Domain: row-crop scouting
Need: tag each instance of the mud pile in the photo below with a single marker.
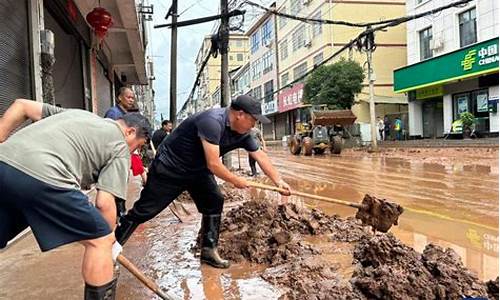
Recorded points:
(310, 278)
(231, 194)
(389, 269)
(379, 213)
(269, 233)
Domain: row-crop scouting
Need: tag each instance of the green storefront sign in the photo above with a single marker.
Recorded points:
(480, 58)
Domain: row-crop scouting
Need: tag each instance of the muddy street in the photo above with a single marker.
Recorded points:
(451, 202)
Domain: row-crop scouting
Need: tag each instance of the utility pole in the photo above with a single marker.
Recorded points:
(369, 47)
(173, 65)
(372, 101)
(224, 72)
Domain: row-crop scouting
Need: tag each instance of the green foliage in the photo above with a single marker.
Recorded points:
(467, 119)
(334, 85)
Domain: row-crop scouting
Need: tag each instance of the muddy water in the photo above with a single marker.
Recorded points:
(452, 204)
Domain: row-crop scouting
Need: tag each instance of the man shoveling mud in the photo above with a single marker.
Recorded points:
(42, 169)
(189, 159)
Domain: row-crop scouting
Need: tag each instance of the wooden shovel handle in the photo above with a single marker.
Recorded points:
(142, 278)
(301, 194)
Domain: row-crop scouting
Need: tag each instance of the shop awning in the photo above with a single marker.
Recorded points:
(472, 61)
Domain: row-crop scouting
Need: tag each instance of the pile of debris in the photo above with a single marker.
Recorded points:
(270, 233)
(384, 268)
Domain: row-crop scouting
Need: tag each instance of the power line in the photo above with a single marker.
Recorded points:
(345, 23)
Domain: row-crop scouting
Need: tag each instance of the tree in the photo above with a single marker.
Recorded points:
(334, 85)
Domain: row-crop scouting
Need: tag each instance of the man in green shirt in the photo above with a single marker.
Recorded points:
(43, 168)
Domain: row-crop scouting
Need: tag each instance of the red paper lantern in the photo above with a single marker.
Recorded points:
(100, 20)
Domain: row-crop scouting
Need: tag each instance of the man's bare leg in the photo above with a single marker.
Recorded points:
(97, 268)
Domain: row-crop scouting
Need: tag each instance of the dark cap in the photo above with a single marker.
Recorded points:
(250, 106)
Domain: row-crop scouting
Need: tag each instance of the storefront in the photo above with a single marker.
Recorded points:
(289, 104)
(442, 88)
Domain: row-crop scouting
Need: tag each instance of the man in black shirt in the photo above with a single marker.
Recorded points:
(160, 134)
(188, 160)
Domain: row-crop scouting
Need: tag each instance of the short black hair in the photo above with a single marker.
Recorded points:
(165, 122)
(139, 122)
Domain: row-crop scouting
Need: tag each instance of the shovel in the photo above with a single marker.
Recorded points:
(378, 213)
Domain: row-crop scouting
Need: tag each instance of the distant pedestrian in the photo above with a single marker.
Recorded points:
(398, 127)
(125, 103)
(387, 128)
(381, 127)
(162, 133)
(261, 143)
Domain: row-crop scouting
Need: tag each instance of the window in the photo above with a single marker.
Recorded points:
(239, 43)
(295, 6)
(254, 42)
(475, 102)
(284, 79)
(257, 93)
(425, 43)
(282, 20)
(231, 57)
(467, 27)
(268, 91)
(299, 71)
(284, 49)
(267, 31)
(267, 62)
(317, 59)
(298, 38)
(256, 69)
(316, 27)
(239, 56)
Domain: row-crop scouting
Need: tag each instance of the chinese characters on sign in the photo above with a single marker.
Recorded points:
(269, 107)
(291, 98)
(487, 55)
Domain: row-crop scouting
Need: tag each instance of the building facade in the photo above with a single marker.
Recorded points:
(85, 76)
(302, 46)
(264, 68)
(452, 67)
(211, 75)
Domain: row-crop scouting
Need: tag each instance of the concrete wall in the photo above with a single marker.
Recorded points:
(493, 92)
(415, 118)
(447, 113)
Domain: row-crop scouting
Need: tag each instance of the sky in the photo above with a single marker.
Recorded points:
(189, 41)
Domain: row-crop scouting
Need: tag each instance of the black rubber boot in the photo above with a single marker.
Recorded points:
(210, 226)
(121, 209)
(125, 230)
(103, 292)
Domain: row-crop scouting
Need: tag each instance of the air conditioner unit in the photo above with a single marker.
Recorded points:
(306, 2)
(308, 43)
(268, 43)
(437, 43)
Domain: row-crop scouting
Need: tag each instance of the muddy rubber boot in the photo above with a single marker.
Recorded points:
(210, 226)
(125, 230)
(103, 292)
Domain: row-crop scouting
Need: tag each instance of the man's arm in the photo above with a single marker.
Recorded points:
(215, 165)
(18, 112)
(105, 203)
(268, 168)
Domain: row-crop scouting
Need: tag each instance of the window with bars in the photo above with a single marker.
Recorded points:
(425, 37)
(299, 37)
(254, 42)
(267, 31)
(299, 71)
(467, 27)
(255, 69)
(295, 6)
(284, 49)
(257, 93)
(282, 20)
(317, 59)
(284, 79)
(268, 91)
(267, 62)
(239, 56)
(316, 27)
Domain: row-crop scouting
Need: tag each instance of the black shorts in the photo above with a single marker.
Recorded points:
(163, 187)
(56, 216)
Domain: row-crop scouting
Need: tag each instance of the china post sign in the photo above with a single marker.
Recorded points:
(269, 107)
(474, 60)
(291, 98)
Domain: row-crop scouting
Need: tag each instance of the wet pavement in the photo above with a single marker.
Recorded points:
(451, 202)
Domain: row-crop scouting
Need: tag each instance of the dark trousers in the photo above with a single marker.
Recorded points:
(252, 162)
(163, 187)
